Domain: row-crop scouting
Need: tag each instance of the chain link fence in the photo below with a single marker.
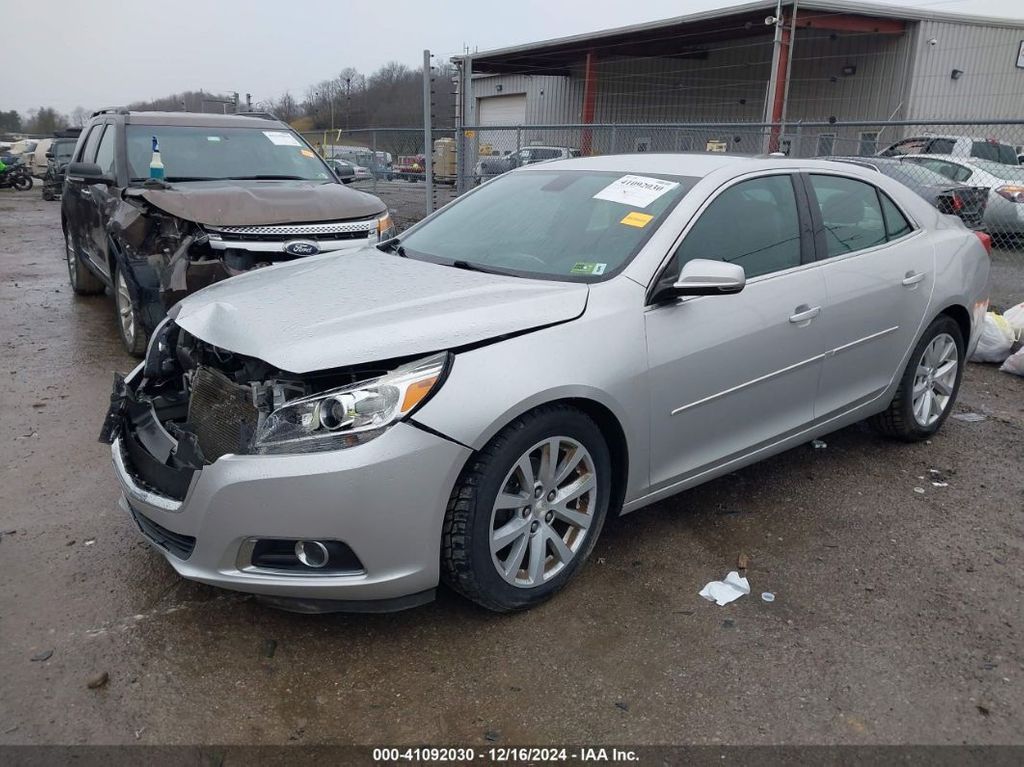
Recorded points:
(969, 169)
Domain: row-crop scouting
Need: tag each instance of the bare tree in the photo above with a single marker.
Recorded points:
(79, 117)
(286, 108)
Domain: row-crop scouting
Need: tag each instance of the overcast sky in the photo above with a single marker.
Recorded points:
(108, 52)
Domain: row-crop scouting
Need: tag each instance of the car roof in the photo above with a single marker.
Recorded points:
(697, 164)
(200, 120)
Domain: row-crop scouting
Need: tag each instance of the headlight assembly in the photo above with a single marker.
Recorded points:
(353, 414)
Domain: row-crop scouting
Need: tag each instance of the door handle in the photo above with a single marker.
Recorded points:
(912, 278)
(804, 313)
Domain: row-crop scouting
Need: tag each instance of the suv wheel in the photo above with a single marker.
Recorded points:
(527, 510)
(133, 334)
(83, 281)
(929, 385)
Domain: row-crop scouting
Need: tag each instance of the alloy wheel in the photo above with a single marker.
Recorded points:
(125, 315)
(543, 512)
(935, 379)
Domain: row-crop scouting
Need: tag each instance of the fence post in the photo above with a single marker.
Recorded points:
(615, 136)
(798, 140)
(428, 144)
(373, 149)
(519, 138)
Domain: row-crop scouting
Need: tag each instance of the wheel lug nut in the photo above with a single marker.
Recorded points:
(551, 496)
(538, 491)
(549, 516)
(534, 526)
(526, 511)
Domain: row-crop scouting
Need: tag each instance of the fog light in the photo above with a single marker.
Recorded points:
(312, 553)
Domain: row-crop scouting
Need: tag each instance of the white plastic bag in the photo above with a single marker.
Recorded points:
(997, 338)
(1015, 316)
(1014, 363)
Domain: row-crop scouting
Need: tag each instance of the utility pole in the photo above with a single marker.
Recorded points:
(428, 146)
(348, 100)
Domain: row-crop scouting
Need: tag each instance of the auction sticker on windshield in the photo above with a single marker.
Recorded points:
(587, 267)
(638, 191)
(282, 138)
(637, 219)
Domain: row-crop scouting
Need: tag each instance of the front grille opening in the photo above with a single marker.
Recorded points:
(279, 554)
(221, 414)
(181, 546)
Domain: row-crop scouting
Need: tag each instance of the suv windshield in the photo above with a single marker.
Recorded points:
(568, 225)
(62, 150)
(994, 151)
(197, 153)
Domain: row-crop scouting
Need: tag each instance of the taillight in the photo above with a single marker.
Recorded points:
(1011, 192)
(986, 241)
(958, 204)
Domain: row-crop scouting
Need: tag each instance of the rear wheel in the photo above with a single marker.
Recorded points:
(22, 183)
(929, 385)
(83, 281)
(527, 510)
(133, 334)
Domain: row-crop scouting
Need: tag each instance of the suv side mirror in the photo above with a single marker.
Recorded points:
(49, 155)
(90, 172)
(702, 277)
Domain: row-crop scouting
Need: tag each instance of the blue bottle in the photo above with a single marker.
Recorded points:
(156, 165)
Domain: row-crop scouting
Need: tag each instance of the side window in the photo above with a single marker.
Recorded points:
(941, 146)
(753, 224)
(89, 147)
(105, 152)
(850, 212)
(896, 224)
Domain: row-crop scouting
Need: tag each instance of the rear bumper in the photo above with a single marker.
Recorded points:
(385, 499)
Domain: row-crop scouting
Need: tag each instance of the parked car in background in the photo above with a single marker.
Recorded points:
(57, 159)
(1004, 213)
(488, 167)
(345, 171)
(23, 150)
(410, 167)
(470, 401)
(956, 146)
(949, 196)
(237, 193)
(36, 160)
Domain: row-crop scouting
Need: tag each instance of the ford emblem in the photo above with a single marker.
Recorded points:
(301, 248)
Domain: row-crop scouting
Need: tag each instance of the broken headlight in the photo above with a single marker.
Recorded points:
(353, 414)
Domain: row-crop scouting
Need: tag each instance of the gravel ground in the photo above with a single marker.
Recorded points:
(897, 616)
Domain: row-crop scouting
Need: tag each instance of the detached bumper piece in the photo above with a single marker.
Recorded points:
(176, 544)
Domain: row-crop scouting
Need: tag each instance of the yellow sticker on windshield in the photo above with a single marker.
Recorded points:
(637, 219)
(307, 153)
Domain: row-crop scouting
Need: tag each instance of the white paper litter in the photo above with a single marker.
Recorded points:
(969, 417)
(726, 591)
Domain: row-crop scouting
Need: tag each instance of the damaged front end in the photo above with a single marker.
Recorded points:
(191, 403)
(166, 257)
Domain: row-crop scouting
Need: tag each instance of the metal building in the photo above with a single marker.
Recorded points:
(800, 60)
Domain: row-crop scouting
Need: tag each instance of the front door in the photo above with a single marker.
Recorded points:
(730, 373)
(879, 271)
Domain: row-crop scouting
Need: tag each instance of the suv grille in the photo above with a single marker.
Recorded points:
(281, 231)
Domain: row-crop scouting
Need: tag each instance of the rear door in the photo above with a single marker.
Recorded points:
(879, 272)
(730, 373)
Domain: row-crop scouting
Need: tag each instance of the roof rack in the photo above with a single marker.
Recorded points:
(110, 110)
(261, 115)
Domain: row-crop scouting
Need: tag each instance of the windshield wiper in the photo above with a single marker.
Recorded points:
(270, 177)
(471, 267)
(394, 246)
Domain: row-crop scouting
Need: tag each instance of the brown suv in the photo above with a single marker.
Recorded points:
(238, 192)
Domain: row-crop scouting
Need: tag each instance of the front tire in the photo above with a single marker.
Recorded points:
(527, 510)
(83, 281)
(129, 324)
(22, 183)
(929, 385)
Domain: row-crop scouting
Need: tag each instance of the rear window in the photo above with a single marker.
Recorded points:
(907, 146)
(942, 146)
(1001, 170)
(991, 150)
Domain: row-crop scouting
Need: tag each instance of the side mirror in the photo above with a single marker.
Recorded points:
(703, 277)
(49, 155)
(90, 172)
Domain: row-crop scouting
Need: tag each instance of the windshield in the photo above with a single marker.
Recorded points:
(994, 151)
(1000, 170)
(571, 225)
(196, 153)
(62, 150)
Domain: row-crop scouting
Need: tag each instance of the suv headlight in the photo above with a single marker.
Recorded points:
(353, 414)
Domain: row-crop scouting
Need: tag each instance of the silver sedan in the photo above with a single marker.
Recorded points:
(469, 402)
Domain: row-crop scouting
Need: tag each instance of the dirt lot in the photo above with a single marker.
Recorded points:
(897, 616)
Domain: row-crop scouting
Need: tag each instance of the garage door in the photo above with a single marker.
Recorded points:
(502, 110)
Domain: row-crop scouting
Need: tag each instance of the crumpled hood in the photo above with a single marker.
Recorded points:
(252, 203)
(334, 309)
